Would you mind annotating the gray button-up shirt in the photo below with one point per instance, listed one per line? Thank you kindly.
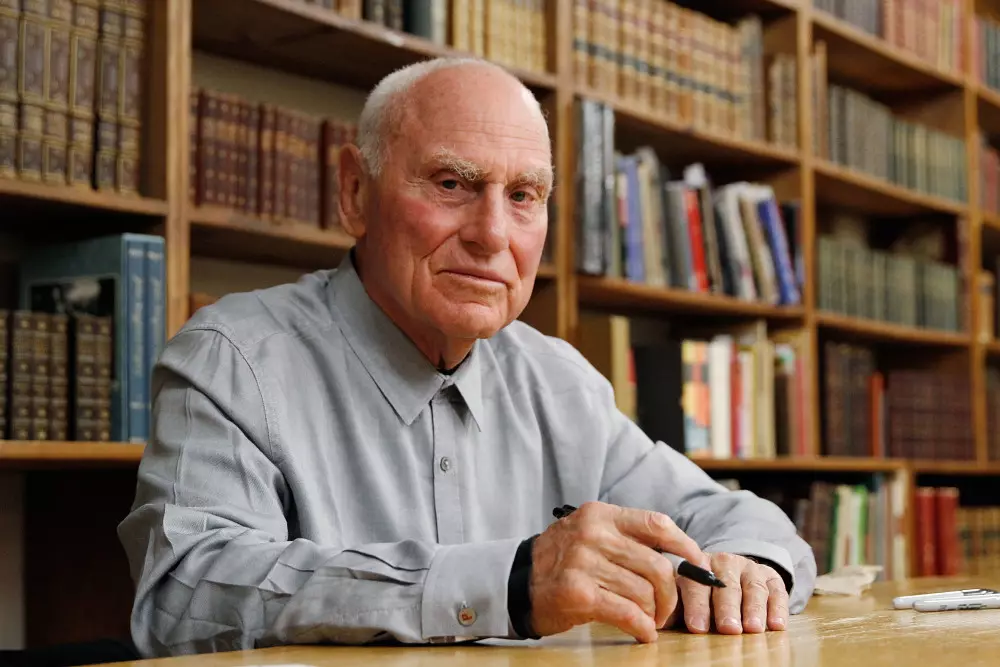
(312, 477)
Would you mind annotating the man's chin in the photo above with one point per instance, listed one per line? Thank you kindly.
(467, 321)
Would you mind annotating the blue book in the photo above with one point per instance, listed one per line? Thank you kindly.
(104, 276)
(156, 280)
(635, 268)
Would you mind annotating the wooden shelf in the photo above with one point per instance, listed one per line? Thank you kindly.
(622, 295)
(884, 332)
(225, 234)
(636, 126)
(803, 464)
(955, 468)
(868, 62)
(993, 348)
(19, 454)
(852, 189)
(312, 41)
(55, 197)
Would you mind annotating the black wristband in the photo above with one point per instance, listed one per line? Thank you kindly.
(519, 591)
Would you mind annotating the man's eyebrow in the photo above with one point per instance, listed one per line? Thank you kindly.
(467, 169)
(540, 178)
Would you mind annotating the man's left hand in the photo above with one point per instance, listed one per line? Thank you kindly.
(753, 600)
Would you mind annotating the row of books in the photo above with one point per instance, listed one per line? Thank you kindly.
(509, 32)
(266, 161)
(55, 376)
(952, 540)
(897, 413)
(641, 222)
(72, 86)
(932, 30)
(847, 524)
(861, 133)
(688, 67)
(986, 293)
(88, 327)
(739, 393)
(986, 51)
(884, 286)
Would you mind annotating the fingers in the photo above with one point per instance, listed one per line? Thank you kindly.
(777, 601)
(726, 602)
(652, 568)
(657, 531)
(629, 585)
(697, 605)
(755, 597)
(624, 615)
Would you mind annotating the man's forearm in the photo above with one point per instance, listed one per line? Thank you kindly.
(233, 588)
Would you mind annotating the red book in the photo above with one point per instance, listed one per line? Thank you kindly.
(926, 533)
(697, 239)
(948, 560)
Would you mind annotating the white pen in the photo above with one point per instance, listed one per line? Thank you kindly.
(959, 604)
(907, 601)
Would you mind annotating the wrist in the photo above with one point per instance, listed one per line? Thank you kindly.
(519, 591)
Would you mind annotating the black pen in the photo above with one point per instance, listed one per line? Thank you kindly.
(682, 568)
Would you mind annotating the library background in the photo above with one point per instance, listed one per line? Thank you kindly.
(776, 230)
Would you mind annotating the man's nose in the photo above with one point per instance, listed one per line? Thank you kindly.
(488, 230)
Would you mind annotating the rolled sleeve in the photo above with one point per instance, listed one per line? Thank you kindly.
(465, 594)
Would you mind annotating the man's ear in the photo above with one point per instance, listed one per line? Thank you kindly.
(354, 187)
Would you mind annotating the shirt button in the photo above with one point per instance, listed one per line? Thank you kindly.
(466, 616)
(445, 464)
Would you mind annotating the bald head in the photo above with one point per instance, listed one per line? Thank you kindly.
(433, 88)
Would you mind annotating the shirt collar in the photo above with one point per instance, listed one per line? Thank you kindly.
(406, 378)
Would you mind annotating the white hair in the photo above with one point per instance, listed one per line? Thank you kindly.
(382, 108)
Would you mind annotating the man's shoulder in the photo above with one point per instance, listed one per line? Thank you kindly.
(520, 348)
(247, 318)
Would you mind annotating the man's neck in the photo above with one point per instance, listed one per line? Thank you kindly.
(446, 354)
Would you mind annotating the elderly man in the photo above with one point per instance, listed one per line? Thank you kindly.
(374, 452)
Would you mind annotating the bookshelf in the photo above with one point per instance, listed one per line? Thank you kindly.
(300, 39)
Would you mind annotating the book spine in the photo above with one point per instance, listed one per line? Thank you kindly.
(83, 394)
(194, 150)
(136, 384)
(253, 159)
(9, 69)
(4, 375)
(82, 92)
(331, 167)
(58, 425)
(20, 406)
(57, 80)
(155, 313)
(109, 59)
(266, 161)
(130, 99)
(31, 89)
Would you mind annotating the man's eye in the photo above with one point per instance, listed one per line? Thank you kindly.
(520, 196)
(449, 184)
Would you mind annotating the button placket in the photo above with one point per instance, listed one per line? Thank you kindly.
(447, 501)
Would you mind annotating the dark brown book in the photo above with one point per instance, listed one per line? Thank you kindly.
(253, 158)
(242, 142)
(281, 164)
(112, 18)
(194, 139)
(109, 92)
(208, 111)
(4, 374)
(31, 127)
(129, 117)
(8, 138)
(58, 426)
(225, 194)
(266, 161)
(40, 376)
(31, 89)
(82, 92)
(57, 82)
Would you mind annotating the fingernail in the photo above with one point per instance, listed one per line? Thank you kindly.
(753, 624)
(698, 625)
(731, 623)
(779, 623)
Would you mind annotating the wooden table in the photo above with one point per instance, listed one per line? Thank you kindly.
(832, 632)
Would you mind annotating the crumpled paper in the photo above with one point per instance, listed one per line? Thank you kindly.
(851, 580)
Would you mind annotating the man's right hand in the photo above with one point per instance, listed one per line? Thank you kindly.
(599, 565)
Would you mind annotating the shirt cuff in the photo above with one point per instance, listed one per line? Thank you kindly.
(777, 557)
(465, 594)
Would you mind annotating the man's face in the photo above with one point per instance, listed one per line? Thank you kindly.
(456, 222)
